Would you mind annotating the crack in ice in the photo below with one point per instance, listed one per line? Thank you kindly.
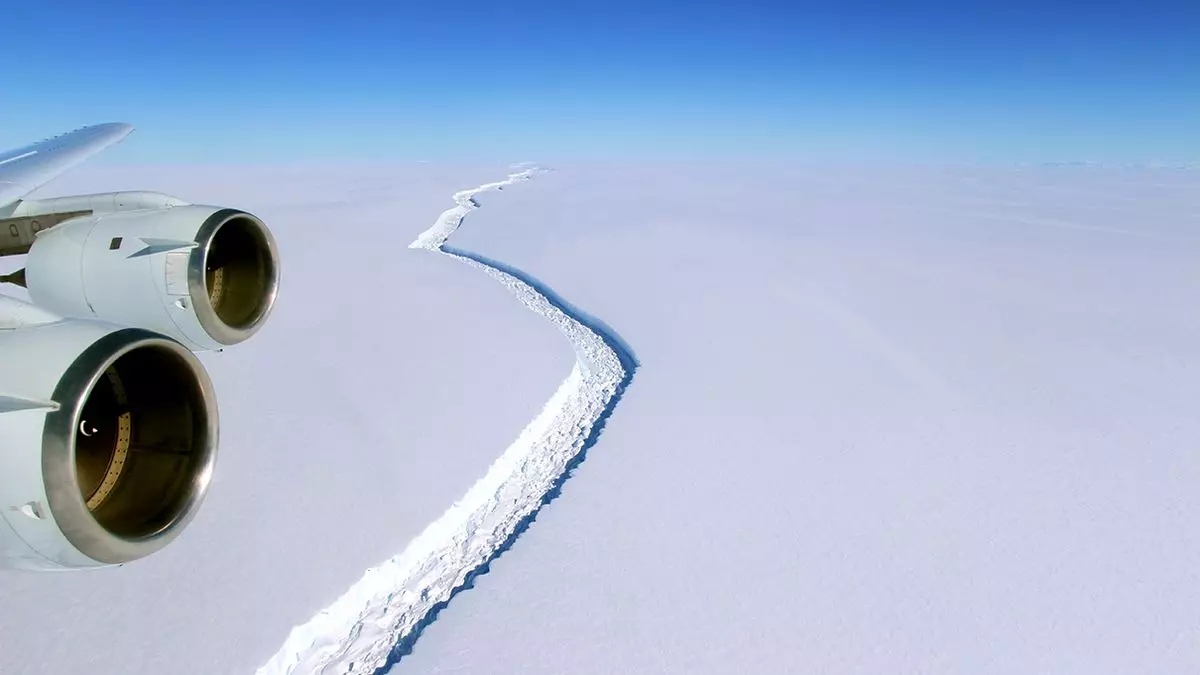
(373, 624)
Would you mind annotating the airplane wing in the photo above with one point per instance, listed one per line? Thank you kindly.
(26, 169)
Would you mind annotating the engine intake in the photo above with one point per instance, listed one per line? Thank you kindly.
(123, 463)
(232, 275)
(135, 443)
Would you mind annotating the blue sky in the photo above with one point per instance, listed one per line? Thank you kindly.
(927, 81)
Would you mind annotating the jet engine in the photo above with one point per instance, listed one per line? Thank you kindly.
(110, 436)
(108, 421)
(204, 275)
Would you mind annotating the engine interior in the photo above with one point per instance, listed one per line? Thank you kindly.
(141, 443)
(240, 272)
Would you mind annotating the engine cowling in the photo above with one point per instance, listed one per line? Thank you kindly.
(204, 275)
(116, 461)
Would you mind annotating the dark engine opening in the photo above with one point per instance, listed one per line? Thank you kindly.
(239, 273)
(142, 443)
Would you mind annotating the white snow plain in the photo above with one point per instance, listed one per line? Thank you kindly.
(885, 419)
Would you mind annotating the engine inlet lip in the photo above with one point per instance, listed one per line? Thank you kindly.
(59, 474)
(212, 324)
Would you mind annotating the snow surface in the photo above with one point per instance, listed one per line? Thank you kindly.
(384, 611)
(885, 419)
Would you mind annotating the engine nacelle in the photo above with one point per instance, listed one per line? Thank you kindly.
(204, 275)
(116, 460)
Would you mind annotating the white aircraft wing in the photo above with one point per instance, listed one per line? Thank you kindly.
(26, 169)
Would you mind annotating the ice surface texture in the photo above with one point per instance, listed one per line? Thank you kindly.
(938, 420)
(375, 622)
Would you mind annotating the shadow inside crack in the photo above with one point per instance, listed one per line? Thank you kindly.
(610, 337)
(404, 646)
